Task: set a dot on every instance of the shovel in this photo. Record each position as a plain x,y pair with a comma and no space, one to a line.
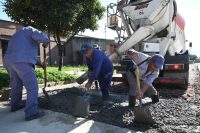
82,78
45,76
142,114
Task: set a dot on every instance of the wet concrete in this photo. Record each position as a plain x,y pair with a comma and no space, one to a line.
177,112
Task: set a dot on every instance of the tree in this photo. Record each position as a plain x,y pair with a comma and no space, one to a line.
62,18
193,57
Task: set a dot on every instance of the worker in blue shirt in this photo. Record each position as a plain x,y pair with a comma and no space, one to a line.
20,60
100,68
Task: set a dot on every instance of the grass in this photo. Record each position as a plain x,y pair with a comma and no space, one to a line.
53,75
4,80
67,68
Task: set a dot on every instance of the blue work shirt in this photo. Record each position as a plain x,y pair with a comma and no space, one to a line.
99,65
24,45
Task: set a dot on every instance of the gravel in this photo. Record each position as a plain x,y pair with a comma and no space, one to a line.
177,112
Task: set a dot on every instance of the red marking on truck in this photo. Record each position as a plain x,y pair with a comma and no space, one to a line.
172,81
141,6
174,67
180,21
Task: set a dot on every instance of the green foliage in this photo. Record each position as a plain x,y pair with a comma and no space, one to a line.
65,68
4,82
193,57
65,17
71,68
61,18
59,76
53,75
197,60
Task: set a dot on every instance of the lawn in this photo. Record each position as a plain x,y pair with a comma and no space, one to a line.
53,75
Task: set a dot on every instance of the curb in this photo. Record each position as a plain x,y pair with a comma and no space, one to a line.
50,84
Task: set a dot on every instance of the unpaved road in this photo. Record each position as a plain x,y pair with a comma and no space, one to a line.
177,112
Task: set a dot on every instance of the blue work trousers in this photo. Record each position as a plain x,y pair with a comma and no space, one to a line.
105,83
23,74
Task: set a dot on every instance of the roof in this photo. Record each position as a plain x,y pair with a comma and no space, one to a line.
85,36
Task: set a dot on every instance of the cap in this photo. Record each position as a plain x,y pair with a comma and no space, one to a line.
158,60
131,50
85,48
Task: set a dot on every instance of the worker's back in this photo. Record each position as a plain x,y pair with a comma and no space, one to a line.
23,45
106,65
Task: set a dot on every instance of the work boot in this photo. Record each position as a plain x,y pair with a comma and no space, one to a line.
38,115
21,106
106,99
18,106
155,98
132,101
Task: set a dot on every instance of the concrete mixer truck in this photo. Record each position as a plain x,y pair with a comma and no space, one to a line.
151,26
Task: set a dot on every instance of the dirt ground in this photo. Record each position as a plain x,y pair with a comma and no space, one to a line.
177,112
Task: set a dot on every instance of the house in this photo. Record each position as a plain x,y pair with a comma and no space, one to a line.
72,55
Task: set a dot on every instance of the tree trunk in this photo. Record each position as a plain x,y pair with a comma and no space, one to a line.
60,62
60,52
61,49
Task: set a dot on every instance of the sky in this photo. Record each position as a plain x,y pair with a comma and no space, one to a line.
189,9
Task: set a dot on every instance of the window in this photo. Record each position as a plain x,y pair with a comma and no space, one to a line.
4,46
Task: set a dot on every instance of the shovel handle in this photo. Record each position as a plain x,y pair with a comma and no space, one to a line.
137,75
45,69
140,102
45,74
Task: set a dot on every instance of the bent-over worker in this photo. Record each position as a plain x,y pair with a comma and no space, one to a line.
100,68
149,70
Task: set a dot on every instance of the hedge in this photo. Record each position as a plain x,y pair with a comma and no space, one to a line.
4,80
53,75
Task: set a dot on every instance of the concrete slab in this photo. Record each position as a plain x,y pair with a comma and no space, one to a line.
52,122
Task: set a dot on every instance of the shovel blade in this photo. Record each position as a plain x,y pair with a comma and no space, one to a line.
82,78
143,115
81,106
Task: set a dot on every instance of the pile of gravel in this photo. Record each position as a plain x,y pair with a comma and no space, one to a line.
171,115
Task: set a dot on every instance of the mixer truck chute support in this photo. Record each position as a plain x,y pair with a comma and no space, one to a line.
151,26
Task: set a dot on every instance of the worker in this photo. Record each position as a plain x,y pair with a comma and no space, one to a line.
20,60
149,71
100,68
